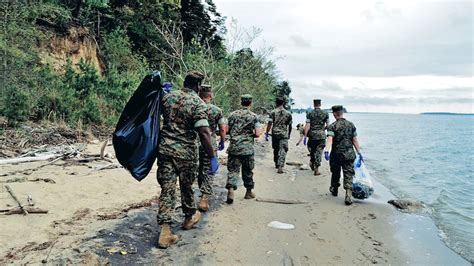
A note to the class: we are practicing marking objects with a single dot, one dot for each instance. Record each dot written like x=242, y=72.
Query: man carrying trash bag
x=339, y=151
x=184, y=117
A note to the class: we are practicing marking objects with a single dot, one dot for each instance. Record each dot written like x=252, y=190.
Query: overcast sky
x=403, y=56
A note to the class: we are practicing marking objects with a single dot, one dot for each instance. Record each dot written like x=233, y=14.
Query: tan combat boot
x=190, y=221
x=280, y=170
x=204, y=203
x=348, y=199
x=166, y=237
x=249, y=194
x=230, y=195
x=316, y=171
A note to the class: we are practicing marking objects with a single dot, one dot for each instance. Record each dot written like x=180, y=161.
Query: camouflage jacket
x=215, y=118
x=183, y=112
x=281, y=119
x=317, y=119
x=342, y=132
x=242, y=124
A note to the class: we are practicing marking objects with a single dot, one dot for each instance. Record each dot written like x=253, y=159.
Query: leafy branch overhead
x=80, y=60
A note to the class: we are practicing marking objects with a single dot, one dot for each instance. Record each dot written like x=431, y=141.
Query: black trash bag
x=136, y=135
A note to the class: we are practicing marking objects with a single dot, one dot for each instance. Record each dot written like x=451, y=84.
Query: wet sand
x=107, y=216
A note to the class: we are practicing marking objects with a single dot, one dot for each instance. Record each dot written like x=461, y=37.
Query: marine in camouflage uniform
x=279, y=122
x=215, y=119
x=316, y=122
x=184, y=115
x=342, y=138
x=243, y=128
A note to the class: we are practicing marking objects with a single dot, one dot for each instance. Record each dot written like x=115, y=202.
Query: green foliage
x=132, y=37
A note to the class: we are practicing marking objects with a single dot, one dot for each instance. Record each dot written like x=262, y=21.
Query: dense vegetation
x=118, y=41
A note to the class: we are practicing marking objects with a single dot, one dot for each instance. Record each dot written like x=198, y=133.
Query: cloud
x=299, y=41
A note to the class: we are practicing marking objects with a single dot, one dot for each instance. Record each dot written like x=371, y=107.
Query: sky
x=400, y=56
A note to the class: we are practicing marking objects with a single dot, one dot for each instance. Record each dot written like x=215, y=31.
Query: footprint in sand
x=308, y=208
x=313, y=226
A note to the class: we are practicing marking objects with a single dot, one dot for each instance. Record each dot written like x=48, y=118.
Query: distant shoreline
x=298, y=111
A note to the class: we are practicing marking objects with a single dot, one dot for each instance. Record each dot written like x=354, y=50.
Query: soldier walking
x=316, y=122
x=215, y=119
x=279, y=122
x=184, y=118
x=339, y=151
x=243, y=128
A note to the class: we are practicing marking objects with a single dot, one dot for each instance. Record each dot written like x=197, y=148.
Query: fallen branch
x=18, y=210
x=29, y=159
x=10, y=190
x=282, y=201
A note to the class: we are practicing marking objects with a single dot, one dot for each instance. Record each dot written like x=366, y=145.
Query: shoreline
x=325, y=231
x=418, y=234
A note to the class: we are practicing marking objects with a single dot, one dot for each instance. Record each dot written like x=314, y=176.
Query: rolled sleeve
x=201, y=123
x=330, y=133
x=221, y=121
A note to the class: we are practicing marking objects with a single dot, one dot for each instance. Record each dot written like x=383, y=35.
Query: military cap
x=317, y=101
x=337, y=108
x=246, y=97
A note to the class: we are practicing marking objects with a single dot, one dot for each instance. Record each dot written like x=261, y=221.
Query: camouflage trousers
x=316, y=147
x=169, y=168
x=234, y=163
x=280, y=148
x=205, y=180
x=347, y=167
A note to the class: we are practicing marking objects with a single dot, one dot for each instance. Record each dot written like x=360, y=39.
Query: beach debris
x=18, y=210
x=10, y=190
x=45, y=260
x=280, y=225
x=304, y=167
x=294, y=164
x=30, y=200
x=281, y=201
x=407, y=204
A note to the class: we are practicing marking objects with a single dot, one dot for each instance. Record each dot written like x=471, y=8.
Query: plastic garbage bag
x=136, y=135
x=280, y=225
x=362, y=187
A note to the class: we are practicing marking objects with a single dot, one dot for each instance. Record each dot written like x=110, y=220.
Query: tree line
x=126, y=39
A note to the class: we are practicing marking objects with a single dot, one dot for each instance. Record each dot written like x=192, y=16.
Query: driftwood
x=281, y=201
x=29, y=159
x=10, y=190
x=18, y=210
x=102, y=148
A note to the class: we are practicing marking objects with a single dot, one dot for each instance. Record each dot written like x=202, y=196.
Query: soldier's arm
x=329, y=140
x=269, y=123
x=355, y=142
x=205, y=138
x=306, y=127
x=290, y=126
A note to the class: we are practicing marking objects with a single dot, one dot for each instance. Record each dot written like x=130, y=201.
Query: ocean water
x=425, y=157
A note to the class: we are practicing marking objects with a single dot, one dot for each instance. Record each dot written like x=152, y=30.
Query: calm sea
x=428, y=158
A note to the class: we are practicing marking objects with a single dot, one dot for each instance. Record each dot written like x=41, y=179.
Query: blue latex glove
x=305, y=141
x=266, y=136
x=361, y=159
x=167, y=86
x=221, y=145
x=214, y=165
x=327, y=155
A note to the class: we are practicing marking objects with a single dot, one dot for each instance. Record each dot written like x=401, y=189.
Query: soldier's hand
x=221, y=145
x=214, y=165
x=305, y=141
x=327, y=155
x=266, y=136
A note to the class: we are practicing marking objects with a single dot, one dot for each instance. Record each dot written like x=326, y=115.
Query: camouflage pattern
x=247, y=162
x=317, y=119
x=316, y=148
x=342, y=132
x=281, y=119
x=242, y=124
x=342, y=152
x=347, y=167
x=183, y=111
x=205, y=180
x=169, y=169
x=280, y=148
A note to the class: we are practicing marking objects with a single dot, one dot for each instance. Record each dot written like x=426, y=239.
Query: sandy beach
x=100, y=216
